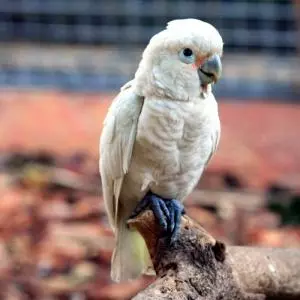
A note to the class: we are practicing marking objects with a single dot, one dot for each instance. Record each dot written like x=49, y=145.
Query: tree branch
x=199, y=267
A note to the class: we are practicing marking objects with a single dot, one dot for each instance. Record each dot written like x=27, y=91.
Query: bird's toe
x=176, y=210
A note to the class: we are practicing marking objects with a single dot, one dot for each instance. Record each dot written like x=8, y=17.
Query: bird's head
x=181, y=62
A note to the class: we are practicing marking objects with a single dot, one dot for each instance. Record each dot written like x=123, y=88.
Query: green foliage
x=290, y=214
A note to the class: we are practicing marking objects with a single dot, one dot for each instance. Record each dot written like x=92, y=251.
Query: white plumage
x=159, y=134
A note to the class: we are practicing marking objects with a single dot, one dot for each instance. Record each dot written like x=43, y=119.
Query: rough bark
x=199, y=267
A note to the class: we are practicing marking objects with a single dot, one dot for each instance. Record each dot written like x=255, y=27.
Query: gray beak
x=211, y=70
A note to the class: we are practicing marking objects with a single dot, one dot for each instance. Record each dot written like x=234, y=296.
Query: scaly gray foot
x=168, y=213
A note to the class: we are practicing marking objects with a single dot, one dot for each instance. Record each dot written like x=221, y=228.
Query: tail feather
x=131, y=257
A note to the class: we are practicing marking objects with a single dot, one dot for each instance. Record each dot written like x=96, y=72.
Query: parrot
x=158, y=136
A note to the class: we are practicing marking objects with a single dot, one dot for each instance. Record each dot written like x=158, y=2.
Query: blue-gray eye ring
x=186, y=55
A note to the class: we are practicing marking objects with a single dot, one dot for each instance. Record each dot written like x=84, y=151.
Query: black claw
x=172, y=214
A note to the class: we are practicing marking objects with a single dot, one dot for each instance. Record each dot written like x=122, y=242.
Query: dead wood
x=199, y=267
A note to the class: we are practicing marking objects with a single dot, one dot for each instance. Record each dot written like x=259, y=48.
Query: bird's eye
x=186, y=55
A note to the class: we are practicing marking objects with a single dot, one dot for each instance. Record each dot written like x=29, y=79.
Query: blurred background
x=61, y=64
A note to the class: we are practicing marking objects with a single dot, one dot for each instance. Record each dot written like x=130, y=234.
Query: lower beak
x=211, y=70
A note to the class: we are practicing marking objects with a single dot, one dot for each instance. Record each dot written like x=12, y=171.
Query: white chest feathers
x=175, y=139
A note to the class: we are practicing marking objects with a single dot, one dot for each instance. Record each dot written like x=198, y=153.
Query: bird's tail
x=130, y=257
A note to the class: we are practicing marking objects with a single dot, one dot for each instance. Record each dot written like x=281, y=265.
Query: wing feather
x=215, y=138
x=116, y=145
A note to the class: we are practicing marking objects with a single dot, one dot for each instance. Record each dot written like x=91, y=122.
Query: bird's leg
x=168, y=212
x=157, y=205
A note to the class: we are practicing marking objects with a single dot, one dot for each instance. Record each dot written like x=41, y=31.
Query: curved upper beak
x=211, y=70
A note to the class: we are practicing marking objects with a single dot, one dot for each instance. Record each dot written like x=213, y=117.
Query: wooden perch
x=199, y=267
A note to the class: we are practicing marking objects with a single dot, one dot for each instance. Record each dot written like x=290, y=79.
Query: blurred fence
x=252, y=25
x=260, y=27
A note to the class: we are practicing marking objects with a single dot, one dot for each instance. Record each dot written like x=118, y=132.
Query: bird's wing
x=215, y=137
x=116, y=145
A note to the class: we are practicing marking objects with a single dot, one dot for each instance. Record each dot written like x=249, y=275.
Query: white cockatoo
x=158, y=136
